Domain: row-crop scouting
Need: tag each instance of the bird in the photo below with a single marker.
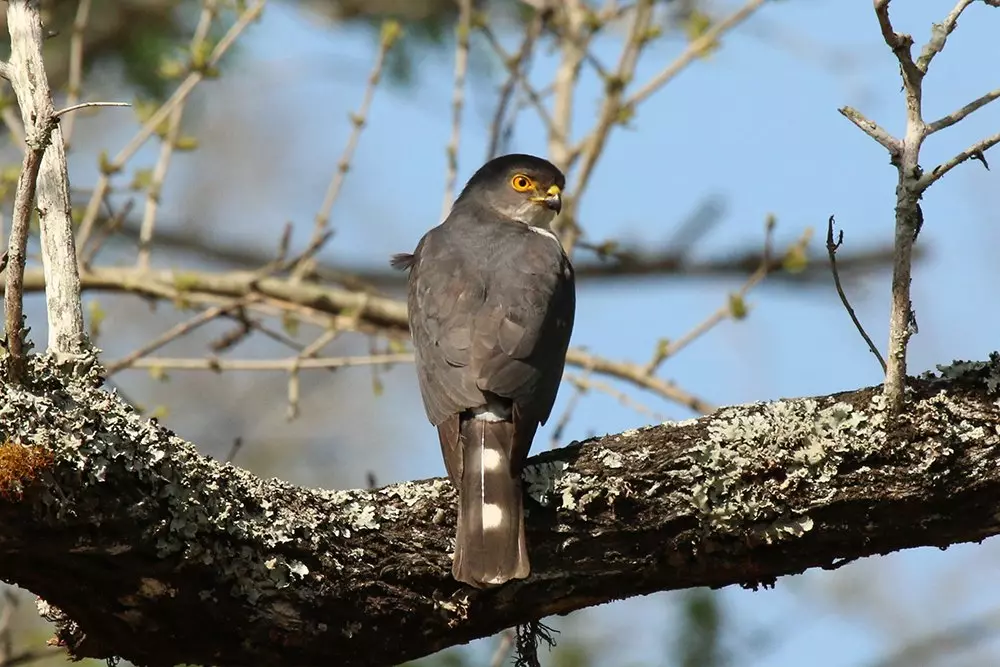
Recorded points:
(491, 300)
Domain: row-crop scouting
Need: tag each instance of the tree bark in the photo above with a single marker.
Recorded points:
(157, 554)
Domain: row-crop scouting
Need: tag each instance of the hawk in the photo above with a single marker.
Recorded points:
(491, 303)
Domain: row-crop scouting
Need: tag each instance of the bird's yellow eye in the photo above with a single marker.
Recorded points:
(521, 183)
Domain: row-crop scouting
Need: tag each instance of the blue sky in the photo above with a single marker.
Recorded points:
(756, 124)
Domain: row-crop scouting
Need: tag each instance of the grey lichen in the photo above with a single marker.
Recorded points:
(196, 511)
(757, 457)
(540, 480)
(574, 490)
(986, 372)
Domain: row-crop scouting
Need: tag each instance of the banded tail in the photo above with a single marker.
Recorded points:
(490, 547)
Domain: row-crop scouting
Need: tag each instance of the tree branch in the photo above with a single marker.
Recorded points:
(288, 576)
(624, 263)
(67, 337)
(352, 310)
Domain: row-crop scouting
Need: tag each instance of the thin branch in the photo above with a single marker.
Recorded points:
(283, 365)
(909, 217)
(24, 200)
(462, 33)
(172, 334)
(693, 51)
(391, 32)
(900, 44)
(168, 142)
(76, 65)
(610, 114)
(516, 66)
(503, 649)
(939, 35)
(584, 384)
(573, 45)
(310, 351)
(872, 129)
(831, 249)
(735, 306)
(67, 333)
(85, 105)
(958, 115)
(248, 16)
(976, 151)
(612, 262)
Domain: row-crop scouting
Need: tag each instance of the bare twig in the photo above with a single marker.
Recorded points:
(613, 261)
(284, 365)
(391, 32)
(327, 307)
(462, 33)
(905, 156)
(504, 647)
(76, 66)
(831, 249)
(610, 113)
(872, 129)
(585, 384)
(24, 200)
(248, 16)
(939, 35)
(694, 50)
(309, 351)
(235, 449)
(912, 182)
(735, 306)
(86, 105)
(6, 636)
(959, 114)
(168, 142)
(573, 45)
(975, 151)
(67, 337)
(516, 66)
(174, 333)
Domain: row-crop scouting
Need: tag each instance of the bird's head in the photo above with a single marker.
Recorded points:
(523, 188)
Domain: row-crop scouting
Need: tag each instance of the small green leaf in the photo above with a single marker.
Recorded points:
(184, 282)
(796, 260)
(106, 166)
(737, 307)
(186, 143)
(141, 179)
(290, 324)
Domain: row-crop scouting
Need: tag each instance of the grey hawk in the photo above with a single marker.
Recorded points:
(491, 303)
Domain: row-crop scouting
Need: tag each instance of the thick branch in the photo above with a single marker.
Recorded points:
(28, 78)
(140, 540)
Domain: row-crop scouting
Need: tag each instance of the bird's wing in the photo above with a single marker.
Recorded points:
(501, 332)
(444, 298)
(530, 318)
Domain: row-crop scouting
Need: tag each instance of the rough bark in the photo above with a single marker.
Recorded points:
(157, 554)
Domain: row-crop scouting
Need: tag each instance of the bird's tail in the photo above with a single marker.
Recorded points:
(490, 548)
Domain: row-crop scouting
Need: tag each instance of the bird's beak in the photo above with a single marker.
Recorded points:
(553, 198)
